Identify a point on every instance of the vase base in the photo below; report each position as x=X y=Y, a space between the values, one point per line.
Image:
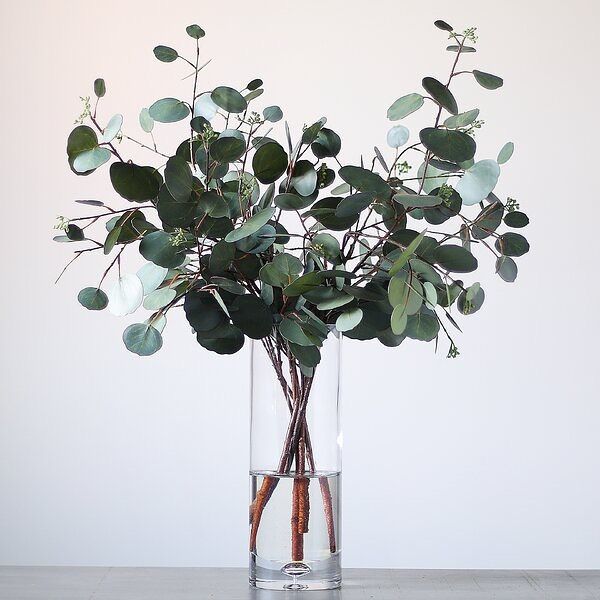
x=299 y=586
x=298 y=576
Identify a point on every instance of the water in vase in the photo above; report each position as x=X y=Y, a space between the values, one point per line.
x=295 y=530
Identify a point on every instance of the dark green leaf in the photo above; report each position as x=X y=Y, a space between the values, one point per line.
x=441 y=94
x=487 y=80
x=99 y=87
x=227 y=149
x=224 y=339
x=133 y=182
x=327 y=144
x=309 y=356
x=157 y=247
x=269 y=162
x=221 y=256
x=203 y=312
x=487 y=221
x=516 y=219
x=93 y=298
x=442 y=25
x=455 y=258
x=178 y=178
x=195 y=31
x=454 y=146
x=251 y=315
x=81 y=139
x=512 y=244
x=75 y=233
x=354 y=204
x=469 y=306
x=165 y=54
x=364 y=180
x=228 y=99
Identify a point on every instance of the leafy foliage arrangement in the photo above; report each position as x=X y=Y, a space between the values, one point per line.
x=281 y=242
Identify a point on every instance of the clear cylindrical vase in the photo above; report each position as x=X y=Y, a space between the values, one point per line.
x=295 y=468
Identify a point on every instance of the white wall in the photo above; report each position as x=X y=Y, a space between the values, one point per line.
x=490 y=460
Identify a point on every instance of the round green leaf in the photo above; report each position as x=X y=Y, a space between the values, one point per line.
x=142 y=339
x=251 y=315
x=506 y=267
x=91 y=159
x=478 y=182
x=125 y=296
x=423 y=326
x=159 y=298
x=133 y=182
x=81 y=139
x=398 y=136
x=468 y=306
x=157 y=247
x=273 y=114
x=224 y=339
x=349 y=319
x=455 y=146
x=203 y=312
x=327 y=144
x=165 y=54
x=441 y=94
x=512 y=244
x=487 y=80
x=269 y=162
x=516 y=219
x=404 y=106
x=195 y=31
x=151 y=276
x=221 y=256
x=327 y=246
x=169 y=110
x=228 y=99
x=304 y=178
x=227 y=149
x=455 y=258
x=178 y=178
x=93 y=298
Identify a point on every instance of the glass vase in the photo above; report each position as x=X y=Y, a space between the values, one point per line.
x=295 y=468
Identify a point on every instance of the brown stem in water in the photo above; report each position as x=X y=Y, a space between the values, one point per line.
x=297 y=445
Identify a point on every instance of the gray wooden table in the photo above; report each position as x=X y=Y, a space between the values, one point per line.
x=64 y=583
